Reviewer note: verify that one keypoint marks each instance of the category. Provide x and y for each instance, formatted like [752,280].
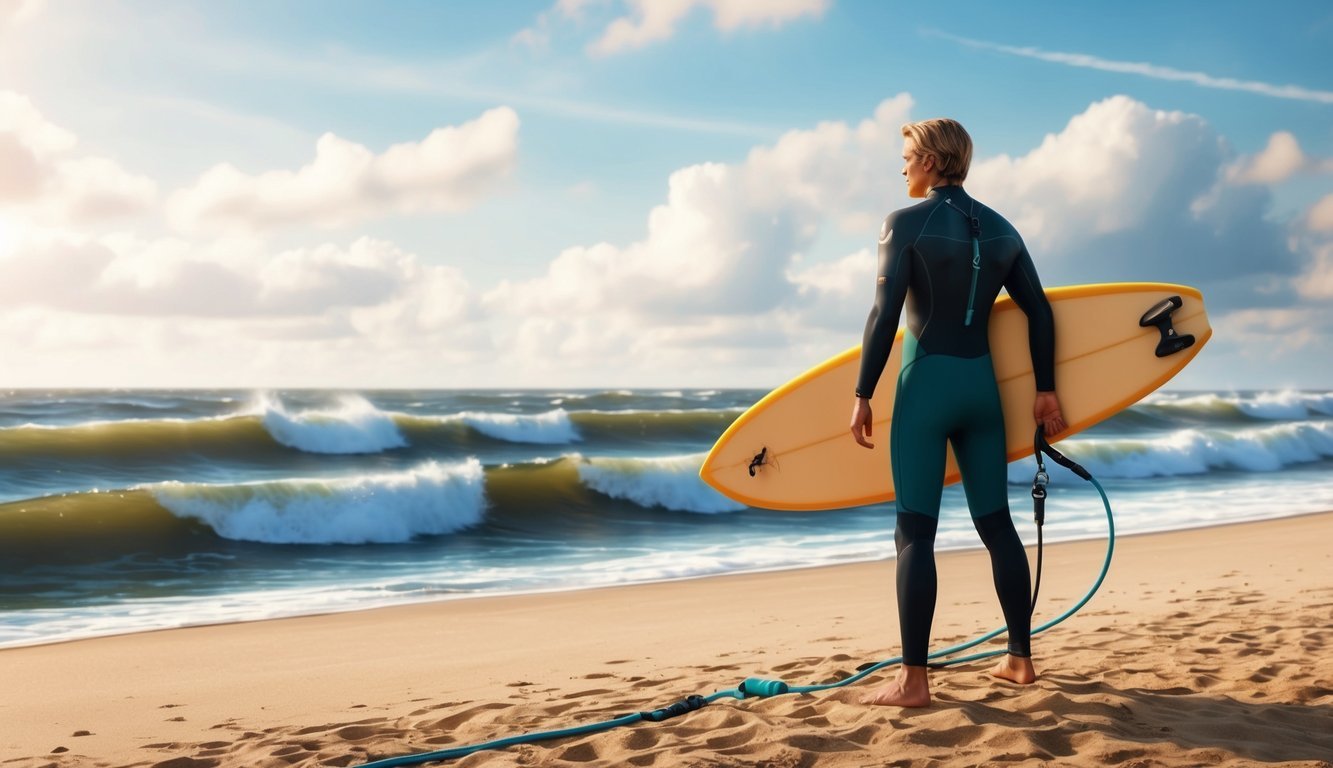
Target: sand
[1203,647]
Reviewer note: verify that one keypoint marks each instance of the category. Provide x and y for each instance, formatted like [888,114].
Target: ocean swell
[1282,405]
[397,507]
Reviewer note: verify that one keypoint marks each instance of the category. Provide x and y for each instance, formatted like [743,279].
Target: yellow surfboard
[793,450]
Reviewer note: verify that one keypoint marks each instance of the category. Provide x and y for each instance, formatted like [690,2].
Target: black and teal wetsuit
[947,258]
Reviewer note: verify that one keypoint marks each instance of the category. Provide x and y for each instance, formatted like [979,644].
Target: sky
[627,193]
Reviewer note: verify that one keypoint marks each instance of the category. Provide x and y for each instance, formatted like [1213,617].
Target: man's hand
[1046,411]
[862,420]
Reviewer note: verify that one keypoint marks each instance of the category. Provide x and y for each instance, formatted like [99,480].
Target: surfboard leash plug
[759,460]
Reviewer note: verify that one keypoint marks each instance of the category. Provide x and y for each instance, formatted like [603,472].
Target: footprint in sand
[455,720]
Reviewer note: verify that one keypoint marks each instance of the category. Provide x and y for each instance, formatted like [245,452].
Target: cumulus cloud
[836,294]
[726,269]
[448,171]
[42,172]
[721,244]
[730,281]
[123,276]
[1126,192]
[234,305]
[1281,159]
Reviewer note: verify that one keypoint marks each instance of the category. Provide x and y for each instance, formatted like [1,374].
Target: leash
[755,687]
[1039,483]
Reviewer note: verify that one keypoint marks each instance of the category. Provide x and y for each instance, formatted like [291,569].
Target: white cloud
[1103,173]
[538,36]
[1281,159]
[17,12]
[1126,192]
[725,270]
[647,23]
[651,21]
[1267,335]
[1317,283]
[42,173]
[448,171]
[21,175]
[837,294]
[727,285]
[26,125]
[720,246]
[1320,217]
[122,275]
[118,311]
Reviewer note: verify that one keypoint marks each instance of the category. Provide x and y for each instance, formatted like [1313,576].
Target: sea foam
[1196,451]
[665,481]
[430,499]
[550,428]
[353,426]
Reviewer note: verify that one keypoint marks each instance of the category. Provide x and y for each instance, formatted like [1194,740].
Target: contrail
[1145,69]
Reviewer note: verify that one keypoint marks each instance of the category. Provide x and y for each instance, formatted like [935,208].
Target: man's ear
[928,162]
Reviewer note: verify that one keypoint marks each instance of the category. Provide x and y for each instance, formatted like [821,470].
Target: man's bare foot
[910,689]
[1015,669]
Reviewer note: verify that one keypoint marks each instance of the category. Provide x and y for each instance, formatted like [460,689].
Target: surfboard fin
[1159,316]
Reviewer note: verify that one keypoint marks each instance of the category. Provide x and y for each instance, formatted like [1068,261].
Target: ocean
[123,511]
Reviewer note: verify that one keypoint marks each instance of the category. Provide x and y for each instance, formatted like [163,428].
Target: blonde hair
[947,141]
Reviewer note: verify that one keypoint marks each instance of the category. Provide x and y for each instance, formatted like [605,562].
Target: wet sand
[1203,647]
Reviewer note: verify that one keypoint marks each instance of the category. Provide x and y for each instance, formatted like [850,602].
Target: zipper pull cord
[974,227]
[976,270]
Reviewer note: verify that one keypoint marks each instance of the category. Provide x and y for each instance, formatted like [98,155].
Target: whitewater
[124,511]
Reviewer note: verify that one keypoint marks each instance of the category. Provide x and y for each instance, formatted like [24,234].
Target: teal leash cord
[761,688]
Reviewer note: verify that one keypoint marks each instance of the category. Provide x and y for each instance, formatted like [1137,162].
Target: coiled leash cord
[756,687]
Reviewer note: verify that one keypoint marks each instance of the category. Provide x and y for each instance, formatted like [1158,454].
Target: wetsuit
[947,258]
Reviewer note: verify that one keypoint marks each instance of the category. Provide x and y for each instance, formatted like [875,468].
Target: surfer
[947,258]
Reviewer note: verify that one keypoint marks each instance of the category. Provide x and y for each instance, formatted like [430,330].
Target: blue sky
[618,193]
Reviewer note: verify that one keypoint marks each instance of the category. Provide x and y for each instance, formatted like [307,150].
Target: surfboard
[793,450]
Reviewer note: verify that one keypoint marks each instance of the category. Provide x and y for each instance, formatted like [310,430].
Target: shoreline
[574,589]
[1225,621]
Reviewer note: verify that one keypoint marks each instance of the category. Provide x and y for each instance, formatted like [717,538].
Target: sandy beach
[1203,647]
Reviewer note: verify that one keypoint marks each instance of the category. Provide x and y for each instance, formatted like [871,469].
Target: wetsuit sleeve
[890,292]
[1025,289]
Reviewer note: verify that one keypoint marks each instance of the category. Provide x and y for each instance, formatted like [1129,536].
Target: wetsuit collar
[948,190]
